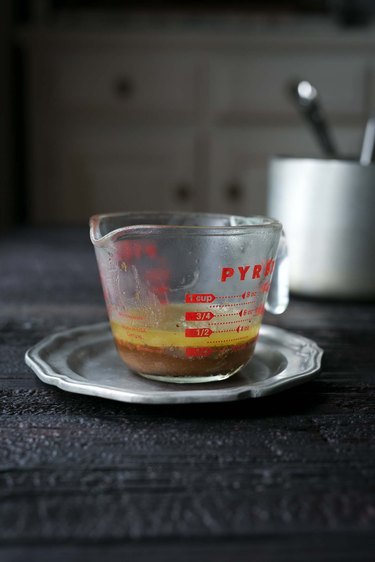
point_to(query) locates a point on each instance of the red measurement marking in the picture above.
(232, 304)
(246, 312)
(198, 351)
(230, 297)
(199, 316)
(229, 322)
(198, 332)
(248, 294)
(242, 328)
(228, 314)
(232, 341)
(199, 297)
(131, 250)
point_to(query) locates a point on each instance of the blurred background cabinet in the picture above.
(180, 121)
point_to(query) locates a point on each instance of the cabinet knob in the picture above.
(234, 192)
(123, 87)
(183, 193)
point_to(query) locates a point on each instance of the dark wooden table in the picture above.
(286, 478)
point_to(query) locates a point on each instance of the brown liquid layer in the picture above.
(172, 362)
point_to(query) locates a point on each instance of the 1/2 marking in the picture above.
(198, 332)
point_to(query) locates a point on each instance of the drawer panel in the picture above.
(132, 171)
(257, 85)
(124, 81)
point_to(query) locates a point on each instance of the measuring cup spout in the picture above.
(99, 236)
(108, 227)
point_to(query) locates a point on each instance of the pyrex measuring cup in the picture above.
(186, 292)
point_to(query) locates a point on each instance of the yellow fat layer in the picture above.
(169, 338)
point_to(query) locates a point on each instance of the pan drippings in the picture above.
(168, 342)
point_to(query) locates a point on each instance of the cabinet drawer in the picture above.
(140, 84)
(117, 171)
(257, 85)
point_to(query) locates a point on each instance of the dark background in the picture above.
(16, 160)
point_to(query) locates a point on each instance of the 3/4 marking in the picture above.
(199, 316)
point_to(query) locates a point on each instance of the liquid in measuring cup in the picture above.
(196, 340)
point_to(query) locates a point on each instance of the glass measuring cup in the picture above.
(186, 292)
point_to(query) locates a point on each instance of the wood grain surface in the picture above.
(289, 477)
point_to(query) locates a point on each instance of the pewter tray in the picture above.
(84, 360)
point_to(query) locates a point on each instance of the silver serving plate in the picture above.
(84, 360)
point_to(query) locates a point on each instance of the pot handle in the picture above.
(278, 296)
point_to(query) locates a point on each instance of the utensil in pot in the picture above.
(368, 145)
(306, 96)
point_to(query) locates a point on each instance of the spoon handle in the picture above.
(368, 145)
(307, 100)
(316, 117)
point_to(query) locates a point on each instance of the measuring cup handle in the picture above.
(278, 296)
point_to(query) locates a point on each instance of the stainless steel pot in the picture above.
(327, 208)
